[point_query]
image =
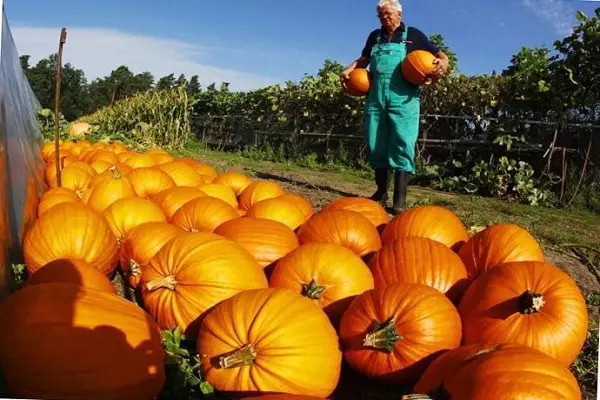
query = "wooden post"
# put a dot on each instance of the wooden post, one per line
(63, 39)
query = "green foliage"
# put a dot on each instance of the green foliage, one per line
(46, 123)
(156, 118)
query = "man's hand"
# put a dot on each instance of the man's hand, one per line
(344, 76)
(441, 67)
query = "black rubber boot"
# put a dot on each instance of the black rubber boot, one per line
(401, 179)
(382, 182)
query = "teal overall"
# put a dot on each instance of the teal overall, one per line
(392, 110)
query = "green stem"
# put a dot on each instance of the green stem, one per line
(383, 336)
(116, 174)
(238, 358)
(530, 302)
(312, 290)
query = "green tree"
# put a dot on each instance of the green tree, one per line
(120, 83)
(193, 87)
(166, 82)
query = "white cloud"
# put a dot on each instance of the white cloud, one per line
(97, 51)
(558, 13)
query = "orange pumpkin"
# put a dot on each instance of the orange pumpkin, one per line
(56, 196)
(359, 82)
(279, 210)
(499, 372)
(100, 166)
(74, 272)
(266, 240)
(73, 231)
(140, 245)
(433, 222)
(499, 244)
(203, 214)
(222, 192)
(392, 333)
(171, 200)
(273, 335)
(62, 342)
(108, 190)
(192, 273)
(125, 214)
(328, 274)
(182, 173)
(140, 161)
(74, 178)
(417, 67)
(301, 203)
(367, 207)
(343, 227)
(530, 303)
(257, 191)
(148, 181)
(237, 181)
(420, 260)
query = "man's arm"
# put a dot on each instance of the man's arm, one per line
(361, 62)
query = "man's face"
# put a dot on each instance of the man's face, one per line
(390, 18)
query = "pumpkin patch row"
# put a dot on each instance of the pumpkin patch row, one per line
(277, 295)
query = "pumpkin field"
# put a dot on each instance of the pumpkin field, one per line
(171, 275)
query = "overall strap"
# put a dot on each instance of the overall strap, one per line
(405, 34)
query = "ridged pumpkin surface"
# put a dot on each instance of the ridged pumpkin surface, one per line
(367, 207)
(203, 214)
(171, 200)
(148, 181)
(278, 209)
(237, 181)
(75, 272)
(257, 191)
(125, 214)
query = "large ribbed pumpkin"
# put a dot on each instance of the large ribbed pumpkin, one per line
(58, 341)
(107, 190)
(221, 192)
(433, 222)
(257, 191)
(182, 173)
(301, 202)
(328, 274)
(237, 181)
(367, 207)
(269, 340)
(343, 227)
(148, 181)
(530, 303)
(420, 260)
(171, 200)
(498, 372)
(141, 244)
(203, 214)
(278, 209)
(75, 272)
(192, 273)
(73, 231)
(392, 333)
(125, 214)
(498, 244)
(56, 196)
(418, 66)
(266, 240)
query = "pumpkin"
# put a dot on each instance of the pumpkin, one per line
(498, 244)
(266, 240)
(108, 190)
(203, 214)
(391, 334)
(140, 245)
(367, 207)
(433, 222)
(58, 341)
(237, 181)
(171, 200)
(73, 231)
(268, 340)
(148, 181)
(328, 274)
(497, 371)
(206, 171)
(192, 273)
(125, 214)
(530, 303)
(74, 178)
(417, 67)
(281, 396)
(100, 166)
(161, 157)
(420, 260)
(101, 155)
(56, 196)
(74, 272)
(257, 191)
(222, 192)
(79, 129)
(182, 173)
(359, 82)
(279, 210)
(343, 227)
(304, 205)
(140, 161)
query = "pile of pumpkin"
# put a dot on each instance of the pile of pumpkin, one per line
(276, 294)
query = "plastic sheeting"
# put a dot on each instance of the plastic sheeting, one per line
(21, 167)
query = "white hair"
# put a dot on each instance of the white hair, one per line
(394, 4)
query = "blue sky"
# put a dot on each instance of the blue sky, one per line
(254, 43)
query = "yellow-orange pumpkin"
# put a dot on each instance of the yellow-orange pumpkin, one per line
(125, 214)
(367, 207)
(280, 210)
(257, 191)
(418, 66)
(359, 82)
(74, 272)
(203, 214)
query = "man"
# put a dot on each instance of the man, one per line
(392, 107)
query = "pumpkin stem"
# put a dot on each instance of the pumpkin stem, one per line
(245, 355)
(383, 336)
(312, 290)
(531, 303)
(168, 282)
(116, 174)
(415, 397)
(134, 267)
